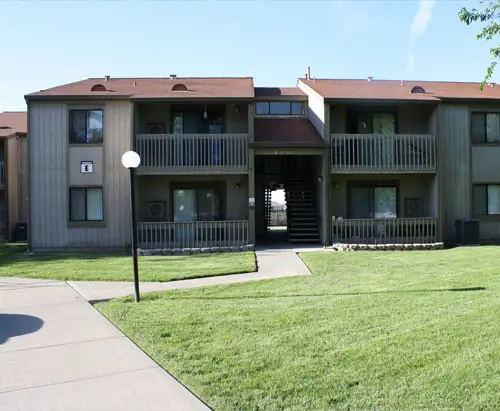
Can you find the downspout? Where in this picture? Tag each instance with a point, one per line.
(28, 178)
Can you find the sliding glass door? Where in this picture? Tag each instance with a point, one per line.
(184, 211)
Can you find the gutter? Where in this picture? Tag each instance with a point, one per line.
(435, 100)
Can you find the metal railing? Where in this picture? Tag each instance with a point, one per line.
(185, 153)
(384, 153)
(196, 234)
(386, 231)
(2, 175)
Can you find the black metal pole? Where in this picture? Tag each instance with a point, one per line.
(134, 235)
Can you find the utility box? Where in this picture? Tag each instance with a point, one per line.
(21, 233)
(467, 231)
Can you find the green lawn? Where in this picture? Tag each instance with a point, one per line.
(113, 267)
(415, 330)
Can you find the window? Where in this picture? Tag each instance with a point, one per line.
(373, 202)
(279, 108)
(195, 121)
(202, 204)
(486, 199)
(262, 108)
(376, 123)
(297, 109)
(86, 126)
(179, 87)
(417, 89)
(98, 87)
(85, 204)
(485, 127)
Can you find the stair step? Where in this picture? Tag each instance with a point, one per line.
(301, 197)
(304, 240)
(305, 234)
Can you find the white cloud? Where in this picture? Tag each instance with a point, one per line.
(418, 29)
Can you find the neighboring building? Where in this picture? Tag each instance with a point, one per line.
(13, 173)
(364, 161)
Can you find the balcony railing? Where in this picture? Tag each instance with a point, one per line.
(192, 153)
(2, 175)
(386, 231)
(365, 153)
(195, 234)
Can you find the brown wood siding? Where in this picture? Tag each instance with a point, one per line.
(49, 179)
(16, 186)
(454, 166)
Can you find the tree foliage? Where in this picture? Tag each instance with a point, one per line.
(488, 16)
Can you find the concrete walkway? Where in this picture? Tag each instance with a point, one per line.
(271, 263)
(59, 353)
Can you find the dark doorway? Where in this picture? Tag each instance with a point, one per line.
(285, 187)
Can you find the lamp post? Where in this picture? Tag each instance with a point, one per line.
(131, 160)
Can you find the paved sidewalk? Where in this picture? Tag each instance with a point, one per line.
(58, 353)
(271, 263)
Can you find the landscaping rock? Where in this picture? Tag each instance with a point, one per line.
(196, 251)
(206, 250)
(225, 249)
(176, 251)
(215, 249)
(186, 251)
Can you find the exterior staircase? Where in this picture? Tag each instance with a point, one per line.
(301, 211)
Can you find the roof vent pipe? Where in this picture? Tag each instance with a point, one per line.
(106, 78)
(402, 82)
(370, 78)
(173, 76)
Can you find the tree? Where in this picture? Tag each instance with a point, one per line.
(489, 15)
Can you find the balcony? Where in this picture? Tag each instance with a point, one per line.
(379, 153)
(192, 234)
(422, 230)
(2, 175)
(192, 153)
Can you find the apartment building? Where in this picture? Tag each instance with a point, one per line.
(13, 175)
(363, 161)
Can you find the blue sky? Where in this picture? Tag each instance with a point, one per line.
(45, 44)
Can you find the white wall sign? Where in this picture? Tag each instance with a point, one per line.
(86, 167)
(251, 202)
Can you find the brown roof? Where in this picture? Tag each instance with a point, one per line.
(278, 91)
(241, 87)
(286, 130)
(12, 122)
(398, 90)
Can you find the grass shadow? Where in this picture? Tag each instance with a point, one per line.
(157, 294)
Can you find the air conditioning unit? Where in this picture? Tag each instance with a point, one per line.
(467, 231)
(156, 210)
